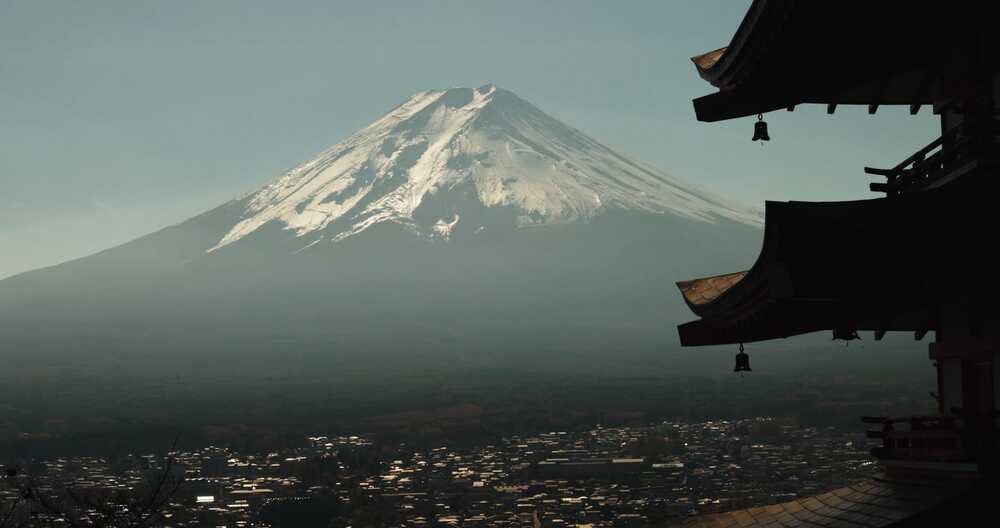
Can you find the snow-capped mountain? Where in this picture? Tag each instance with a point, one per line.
(417, 165)
(464, 227)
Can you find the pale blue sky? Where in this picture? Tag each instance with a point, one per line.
(121, 117)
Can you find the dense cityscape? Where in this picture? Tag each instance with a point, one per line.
(605, 476)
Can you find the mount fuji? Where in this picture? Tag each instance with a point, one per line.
(464, 227)
(444, 154)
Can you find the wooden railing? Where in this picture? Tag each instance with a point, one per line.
(926, 438)
(960, 436)
(939, 159)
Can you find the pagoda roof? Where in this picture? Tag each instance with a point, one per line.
(788, 52)
(853, 265)
(873, 503)
(703, 291)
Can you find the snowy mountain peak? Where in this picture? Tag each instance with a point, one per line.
(458, 159)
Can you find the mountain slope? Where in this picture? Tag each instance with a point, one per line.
(465, 227)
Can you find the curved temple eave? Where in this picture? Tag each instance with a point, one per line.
(706, 61)
(699, 292)
(717, 65)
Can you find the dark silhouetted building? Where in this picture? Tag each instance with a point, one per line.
(919, 259)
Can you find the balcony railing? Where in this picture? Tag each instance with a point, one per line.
(925, 438)
(942, 159)
(938, 438)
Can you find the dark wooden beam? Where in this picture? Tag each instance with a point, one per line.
(879, 334)
(880, 172)
(923, 87)
(731, 104)
(831, 108)
(941, 107)
(879, 94)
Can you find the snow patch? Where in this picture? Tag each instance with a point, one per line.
(443, 229)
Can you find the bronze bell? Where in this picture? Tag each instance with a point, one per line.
(760, 129)
(742, 361)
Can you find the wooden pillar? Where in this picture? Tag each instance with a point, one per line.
(968, 383)
(969, 372)
(996, 379)
(967, 354)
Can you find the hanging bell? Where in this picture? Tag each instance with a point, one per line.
(760, 129)
(742, 361)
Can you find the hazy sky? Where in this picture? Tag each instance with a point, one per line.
(118, 118)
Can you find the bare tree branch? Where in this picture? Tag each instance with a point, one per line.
(91, 508)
